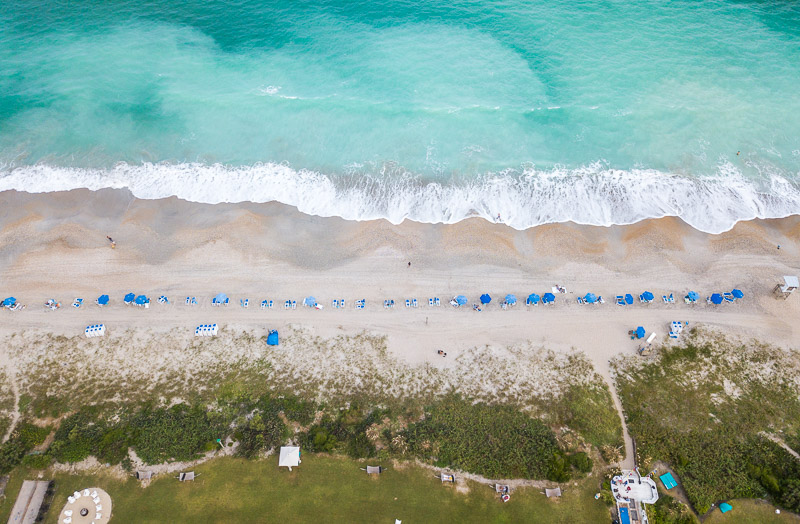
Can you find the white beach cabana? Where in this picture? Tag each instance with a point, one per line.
(289, 457)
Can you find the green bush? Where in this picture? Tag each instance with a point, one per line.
(178, 433)
(75, 438)
(581, 461)
(37, 461)
(495, 441)
(261, 432)
(667, 510)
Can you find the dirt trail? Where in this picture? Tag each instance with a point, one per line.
(779, 441)
(11, 373)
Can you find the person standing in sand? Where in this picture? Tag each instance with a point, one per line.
(113, 244)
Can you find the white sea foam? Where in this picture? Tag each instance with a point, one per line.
(592, 194)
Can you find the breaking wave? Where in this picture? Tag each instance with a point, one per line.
(593, 194)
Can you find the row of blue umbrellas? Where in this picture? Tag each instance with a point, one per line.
(717, 298)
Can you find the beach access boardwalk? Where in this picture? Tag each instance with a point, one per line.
(29, 502)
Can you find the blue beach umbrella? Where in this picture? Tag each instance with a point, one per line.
(716, 298)
(102, 300)
(222, 297)
(129, 298)
(511, 299)
(533, 298)
(141, 300)
(10, 301)
(693, 296)
(737, 293)
(461, 300)
(485, 298)
(310, 301)
(640, 332)
(629, 299)
(647, 295)
(591, 298)
(547, 298)
(272, 338)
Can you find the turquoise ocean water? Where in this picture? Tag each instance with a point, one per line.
(596, 111)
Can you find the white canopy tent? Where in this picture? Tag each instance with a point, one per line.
(289, 457)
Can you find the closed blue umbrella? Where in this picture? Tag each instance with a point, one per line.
(629, 299)
(10, 301)
(737, 293)
(129, 298)
(591, 298)
(511, 299)
(547, 298)
(102, 300)
(693, 296)
(141, 300)
(647, 295)
(640, 332)
(716, 298)
(461, 300)
(485, 298)
(533, 298)
(310, 301)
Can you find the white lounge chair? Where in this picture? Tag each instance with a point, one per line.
(86, 492)
(341, 302)
(68, 512)
(414, 302)
(94, 494)
(294, 304)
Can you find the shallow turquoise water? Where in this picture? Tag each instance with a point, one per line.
(595, 111)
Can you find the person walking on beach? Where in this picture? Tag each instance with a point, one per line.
(113, 244)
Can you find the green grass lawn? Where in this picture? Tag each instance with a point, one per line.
(751, 512)
(323, 489)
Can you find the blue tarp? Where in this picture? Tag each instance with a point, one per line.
(511, 299)
(591, 298)
(141, 300)
(485, 298)
(548, 297)
(221, 298)
(693, 296)
(461, 300)
(640, 332)
(629, 299)
(668, 480)
(310, 301)
(272, 338)
(129, 298)
(716, 298)
(725, 507)
(737, 293)
(533, 298)
(102, 300)
(647, 295)
(10, 301)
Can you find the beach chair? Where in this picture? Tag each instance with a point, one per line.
(414, 302)
(600, 300)
(287, 304)
(264, 304)
(437, 302)
(163, 300)
(671, 298)
(579, 300)
(294, 304)
(408, 303)
(359, 304)
(335, 303)
(665, 299)
(728, 297)
(341, 303)
(270, 304)
(430, 302)
(620, 300)
(77, 303)
(188, 301)
(244, 302)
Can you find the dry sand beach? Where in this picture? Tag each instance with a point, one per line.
(54, 246)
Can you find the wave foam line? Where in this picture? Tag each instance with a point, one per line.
(592, 195)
